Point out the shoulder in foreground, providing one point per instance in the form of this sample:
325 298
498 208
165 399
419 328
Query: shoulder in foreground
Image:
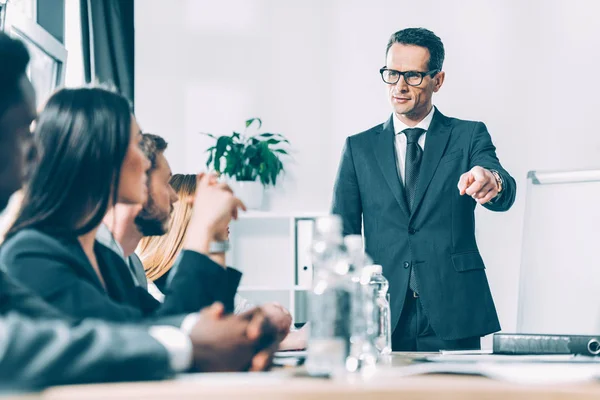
31 240
460 123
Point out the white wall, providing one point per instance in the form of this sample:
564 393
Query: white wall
310 70
75 75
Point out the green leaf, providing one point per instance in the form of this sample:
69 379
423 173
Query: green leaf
222 143
269 134
251 151
251 120
282 151
208 134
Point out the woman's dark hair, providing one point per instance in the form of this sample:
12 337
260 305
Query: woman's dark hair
82 137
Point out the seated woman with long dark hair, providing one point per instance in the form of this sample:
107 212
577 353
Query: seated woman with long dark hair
90 159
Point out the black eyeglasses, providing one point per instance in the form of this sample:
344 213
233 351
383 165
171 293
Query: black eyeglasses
412 78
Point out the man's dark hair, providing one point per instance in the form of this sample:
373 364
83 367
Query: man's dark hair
152 145
423 38
13 63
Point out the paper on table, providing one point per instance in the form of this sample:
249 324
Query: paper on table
520 373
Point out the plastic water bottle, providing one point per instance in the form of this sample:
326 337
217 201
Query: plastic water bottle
383 334
363 353
330 301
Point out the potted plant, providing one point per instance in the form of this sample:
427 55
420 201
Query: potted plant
250 162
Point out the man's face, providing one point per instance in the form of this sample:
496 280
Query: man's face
16 144
411 102
154 219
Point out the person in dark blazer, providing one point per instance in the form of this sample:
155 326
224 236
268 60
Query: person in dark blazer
414 182
40 346
90 158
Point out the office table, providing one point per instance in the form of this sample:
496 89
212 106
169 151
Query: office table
386 383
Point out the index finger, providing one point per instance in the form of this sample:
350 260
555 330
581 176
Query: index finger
237 204
463 182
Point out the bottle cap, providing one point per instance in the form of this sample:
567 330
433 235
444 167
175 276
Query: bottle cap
376 269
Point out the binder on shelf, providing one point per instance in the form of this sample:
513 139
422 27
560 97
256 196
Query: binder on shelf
521 344
304 236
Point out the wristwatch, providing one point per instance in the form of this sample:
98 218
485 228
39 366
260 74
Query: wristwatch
219 247
499 180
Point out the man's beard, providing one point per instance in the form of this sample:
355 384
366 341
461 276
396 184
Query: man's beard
151 221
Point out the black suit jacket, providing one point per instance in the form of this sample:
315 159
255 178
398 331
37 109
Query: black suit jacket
40 346
57 269
438 237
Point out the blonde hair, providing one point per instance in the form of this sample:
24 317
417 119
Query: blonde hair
158 253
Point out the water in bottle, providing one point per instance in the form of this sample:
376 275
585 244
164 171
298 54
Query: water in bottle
363 354
330 301
383 334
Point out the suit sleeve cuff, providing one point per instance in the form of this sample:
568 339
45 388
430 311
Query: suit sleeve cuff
178 345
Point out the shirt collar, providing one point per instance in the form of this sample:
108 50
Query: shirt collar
105 237
399 126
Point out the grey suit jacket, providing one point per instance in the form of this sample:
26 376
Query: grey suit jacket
40 347
437 238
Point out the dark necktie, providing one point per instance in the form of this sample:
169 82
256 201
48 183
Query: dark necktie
414 155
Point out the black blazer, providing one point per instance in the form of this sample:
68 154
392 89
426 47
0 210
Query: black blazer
41 346
438 237
57 269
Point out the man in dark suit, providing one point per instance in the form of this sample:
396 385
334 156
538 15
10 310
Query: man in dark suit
125 225
399 179
39 346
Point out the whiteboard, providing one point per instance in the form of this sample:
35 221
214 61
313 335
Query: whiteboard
559 289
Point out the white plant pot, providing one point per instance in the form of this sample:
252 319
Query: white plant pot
251 193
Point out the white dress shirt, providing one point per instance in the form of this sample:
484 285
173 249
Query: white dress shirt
400 139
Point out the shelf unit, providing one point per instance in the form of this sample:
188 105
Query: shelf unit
265 247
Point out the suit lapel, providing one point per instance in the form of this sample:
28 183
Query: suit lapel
119 284
84 263
385 154
435 144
